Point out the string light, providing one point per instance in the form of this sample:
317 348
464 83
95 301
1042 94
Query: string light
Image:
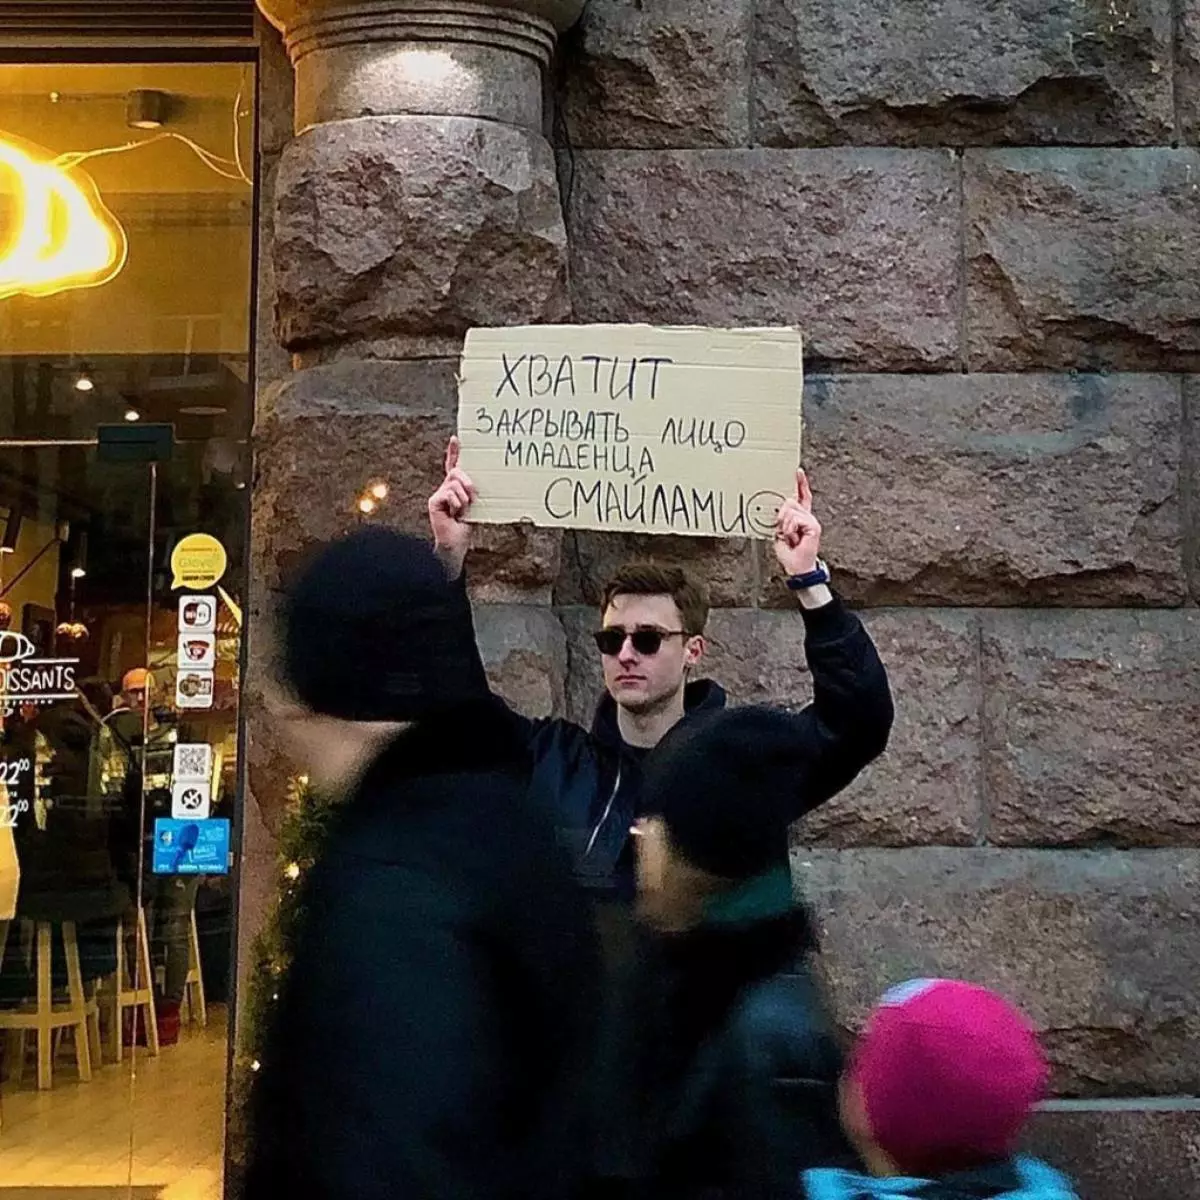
372 497
293 870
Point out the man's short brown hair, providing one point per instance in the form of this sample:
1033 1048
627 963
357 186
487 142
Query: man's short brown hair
651 579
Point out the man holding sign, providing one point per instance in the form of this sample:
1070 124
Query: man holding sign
651 640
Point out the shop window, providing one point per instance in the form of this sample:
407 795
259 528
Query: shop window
126 234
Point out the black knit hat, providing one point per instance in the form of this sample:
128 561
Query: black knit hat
722 785
374 631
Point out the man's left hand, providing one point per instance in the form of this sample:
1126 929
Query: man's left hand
797 531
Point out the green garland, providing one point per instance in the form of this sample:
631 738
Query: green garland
305 825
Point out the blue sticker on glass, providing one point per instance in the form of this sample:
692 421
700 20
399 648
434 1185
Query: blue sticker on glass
191 847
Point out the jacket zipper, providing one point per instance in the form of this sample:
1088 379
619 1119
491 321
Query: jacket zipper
605 814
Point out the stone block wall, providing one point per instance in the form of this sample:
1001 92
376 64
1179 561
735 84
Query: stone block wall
985 215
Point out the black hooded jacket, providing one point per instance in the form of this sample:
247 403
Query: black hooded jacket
725 1081
591 780
429 1036
430 1032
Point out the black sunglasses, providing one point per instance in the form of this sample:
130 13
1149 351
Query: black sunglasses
645 641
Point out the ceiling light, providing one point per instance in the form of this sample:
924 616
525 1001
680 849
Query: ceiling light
146 109
132 414
77 572
366 505
84 382
12 531
379 491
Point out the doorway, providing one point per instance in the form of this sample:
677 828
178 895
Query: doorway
126 235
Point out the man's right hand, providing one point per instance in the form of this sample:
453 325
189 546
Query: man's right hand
449 508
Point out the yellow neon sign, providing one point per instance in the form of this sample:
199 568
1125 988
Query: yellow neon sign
62 236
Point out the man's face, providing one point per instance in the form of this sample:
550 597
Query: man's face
136 698
643 681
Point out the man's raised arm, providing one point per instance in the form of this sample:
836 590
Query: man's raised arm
448 510
848 723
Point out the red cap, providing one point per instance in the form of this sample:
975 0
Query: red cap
948 1073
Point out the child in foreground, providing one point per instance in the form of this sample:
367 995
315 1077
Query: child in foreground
937 1095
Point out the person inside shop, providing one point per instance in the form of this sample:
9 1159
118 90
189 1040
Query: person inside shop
169 900
62 841
429 1037
730 1053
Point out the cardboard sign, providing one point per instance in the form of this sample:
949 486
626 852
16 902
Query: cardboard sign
632 427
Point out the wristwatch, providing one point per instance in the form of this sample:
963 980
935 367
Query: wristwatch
818 575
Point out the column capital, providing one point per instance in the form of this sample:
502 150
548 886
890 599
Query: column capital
356 58
341 22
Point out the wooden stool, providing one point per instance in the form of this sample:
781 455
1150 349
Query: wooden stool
44 1017
133 988
193 992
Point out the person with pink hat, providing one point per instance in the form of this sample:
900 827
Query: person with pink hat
936 1097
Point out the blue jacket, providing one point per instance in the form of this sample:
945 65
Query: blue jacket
1013 1179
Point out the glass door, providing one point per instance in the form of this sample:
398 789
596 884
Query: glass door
126 226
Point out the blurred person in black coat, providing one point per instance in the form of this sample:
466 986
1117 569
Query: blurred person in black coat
726 1065
429 1036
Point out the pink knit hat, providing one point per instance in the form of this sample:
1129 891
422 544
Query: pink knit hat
948 1073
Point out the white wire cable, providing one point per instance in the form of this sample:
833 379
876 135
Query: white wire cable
215 162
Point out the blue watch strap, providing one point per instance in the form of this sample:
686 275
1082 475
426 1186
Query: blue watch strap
818 575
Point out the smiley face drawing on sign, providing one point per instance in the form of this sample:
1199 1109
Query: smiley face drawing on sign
761 511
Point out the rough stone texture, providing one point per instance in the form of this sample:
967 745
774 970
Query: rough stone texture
525 652
416 228
585 681
1032 72
1090 727
326 433
728 566
667 74
1101 949
276 90
1187 69
925 789
859 248
1123 1152
997 489
1191 482
257 890
1083 259
269 768
271 361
